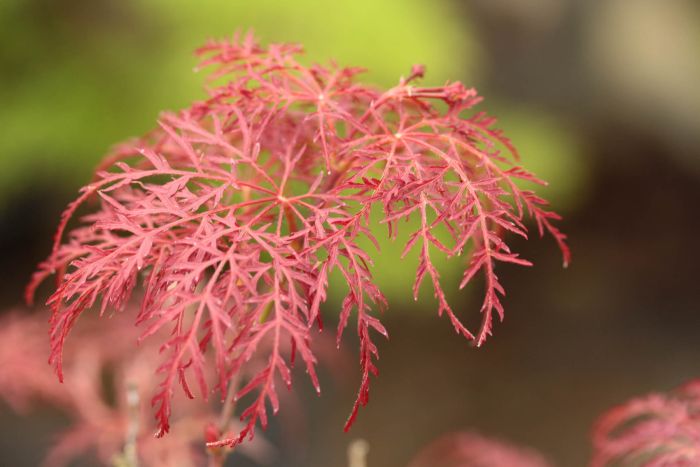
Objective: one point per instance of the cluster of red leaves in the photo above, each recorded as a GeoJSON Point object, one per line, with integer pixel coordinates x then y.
{"type": "Point", "coordinates": [233, 213]}
{"type": "Point", "coordinates": [655, 430]}
{"type": "Point", "coordinates": [108, 374]}
{"type": "Point", "coordinates": [473, 450]}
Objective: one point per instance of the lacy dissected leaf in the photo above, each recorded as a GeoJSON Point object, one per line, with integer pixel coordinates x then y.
{"type": "Point", "coordinates": [655, 430]}
{"type": "Point", "coordinates": [233, 213]}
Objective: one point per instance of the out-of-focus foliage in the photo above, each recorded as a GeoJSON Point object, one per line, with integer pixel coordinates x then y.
{"type": "Point", "coordinates": [654, 430]}
{"type": "Point", "coordinates": [107, 380]}
{"type": "Point", "coordinates": [474, 450]}
{"type": "Point", "coordinates": [79, 75]}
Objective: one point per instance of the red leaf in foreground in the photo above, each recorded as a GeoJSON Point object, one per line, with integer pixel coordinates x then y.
{"type": "Point", "coordinates": [233, 213]}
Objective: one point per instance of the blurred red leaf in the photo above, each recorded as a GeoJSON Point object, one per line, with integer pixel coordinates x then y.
{"type": "Point", "coordinates": [654, 430]}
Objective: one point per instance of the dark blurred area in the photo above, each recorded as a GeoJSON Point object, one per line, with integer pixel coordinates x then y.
{"type": "Point", "coordinates": [602, 100]}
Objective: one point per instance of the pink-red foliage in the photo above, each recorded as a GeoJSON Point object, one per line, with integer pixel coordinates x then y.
{"type": "Point", "coordinates": [651, 431]}
{"type": "Point", "coordinates": [23, 350]}
{"type": "Point", "coordinates": [106, 369]}
{"type": "Point", "coordinates": [474, 450]}
{"type": "Point", "coordinates": [233, 213]}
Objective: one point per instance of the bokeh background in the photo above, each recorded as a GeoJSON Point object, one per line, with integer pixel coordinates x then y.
{"type": "Point", "coordinates": [602, 98]}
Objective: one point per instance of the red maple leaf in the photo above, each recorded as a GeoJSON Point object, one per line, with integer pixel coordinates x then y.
{"type": "Point", "coordinates": [232, 214]}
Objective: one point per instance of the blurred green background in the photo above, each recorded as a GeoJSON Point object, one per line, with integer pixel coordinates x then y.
{"type": "Point", "coordinates": [601, 99]}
